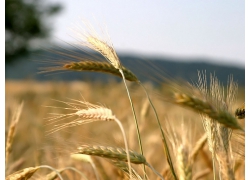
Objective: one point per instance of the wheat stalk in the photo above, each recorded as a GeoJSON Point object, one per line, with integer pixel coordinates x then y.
{"type": "Point", "coordinates": [107, 50]}
{"type": "Point", "coordinates": [164, 141]}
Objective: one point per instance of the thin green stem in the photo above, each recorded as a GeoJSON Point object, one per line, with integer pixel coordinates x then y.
{"type": "Point", "coordinates": [166, 149]}
{"type": "Point", "coordinates": [136, 121]}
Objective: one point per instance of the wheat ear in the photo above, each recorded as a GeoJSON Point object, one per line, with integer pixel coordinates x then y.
{"type": "Point", "coordinates": [11, 132]}
{"type": "Point", "coordinates": [91, 113]}
{"type": "Point", "coordinates": [105, 49]}
{"type": "Point", "coordinates": [100, 67]}
{"type": "Point", "coordinates": [198, 105]}
{"type": "Point", "coordinates": [111, 153]}
{"type": "Point", "coordinates": [28, 172]}
{"type": "Point", "coordinates": [117, 154]}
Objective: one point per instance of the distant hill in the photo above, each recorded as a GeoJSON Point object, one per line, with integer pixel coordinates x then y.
{"type": "Point", "coordinates": [150, 69]}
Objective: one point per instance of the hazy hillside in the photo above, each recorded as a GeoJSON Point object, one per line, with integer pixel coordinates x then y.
{"type": "Point", "coordinates": [146, 69]}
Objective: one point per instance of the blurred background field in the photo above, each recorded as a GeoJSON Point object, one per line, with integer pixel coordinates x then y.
{"type": "Point", "coordinates": [32, 147]}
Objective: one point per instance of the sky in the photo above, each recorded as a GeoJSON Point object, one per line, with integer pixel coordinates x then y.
{"type": "Point", "coordinates": [214, 30]}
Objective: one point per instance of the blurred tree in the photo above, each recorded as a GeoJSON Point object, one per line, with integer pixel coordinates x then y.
{"type": "Point", "coordinates": [24, 22]}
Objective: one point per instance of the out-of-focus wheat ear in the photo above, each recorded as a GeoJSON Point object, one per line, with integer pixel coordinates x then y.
{"type": "Point", "coordinates": [200, 106]}
{"type": "Point", "coordinates": [225, 166]}
{"type": "Point", "coordinates": [22, 174]}
{"type": "Point", "coordinates": [99, 67]}
{"type": "Point", "coordinates": [198, 146]}
{"type": "Point", "coordinates": [112, 153]}
{"type": "Point", "coordinates": [145, 109]}
{"type": "Point", "coordinates": [53, 175]}
{"type": "Point", "coordinates": [11, 132]}
{"type": "Point", "coordinates": [29, 172]}
{"type": "Point", "coordinates": [183, 168]}
{"type": "Point", "coordinates": [210, 128]}
{"type": "Point", "coordinates": [238, 145]}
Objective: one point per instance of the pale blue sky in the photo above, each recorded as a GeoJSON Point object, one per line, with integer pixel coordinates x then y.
{"type": "Point", "coordinates": [213, 29]}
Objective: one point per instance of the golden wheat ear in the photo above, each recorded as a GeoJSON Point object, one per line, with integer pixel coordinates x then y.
{"type": "Point", "coordinates": [100, 67]}
{"type": "Point", "coordinates": [26, 173]}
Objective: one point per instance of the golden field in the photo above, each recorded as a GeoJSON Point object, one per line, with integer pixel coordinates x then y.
{"type": "Point", "coordinates": [33, 145]}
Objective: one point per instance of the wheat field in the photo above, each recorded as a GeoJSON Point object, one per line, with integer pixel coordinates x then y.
{"type": "Point", "coordinates": [122, 130]}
